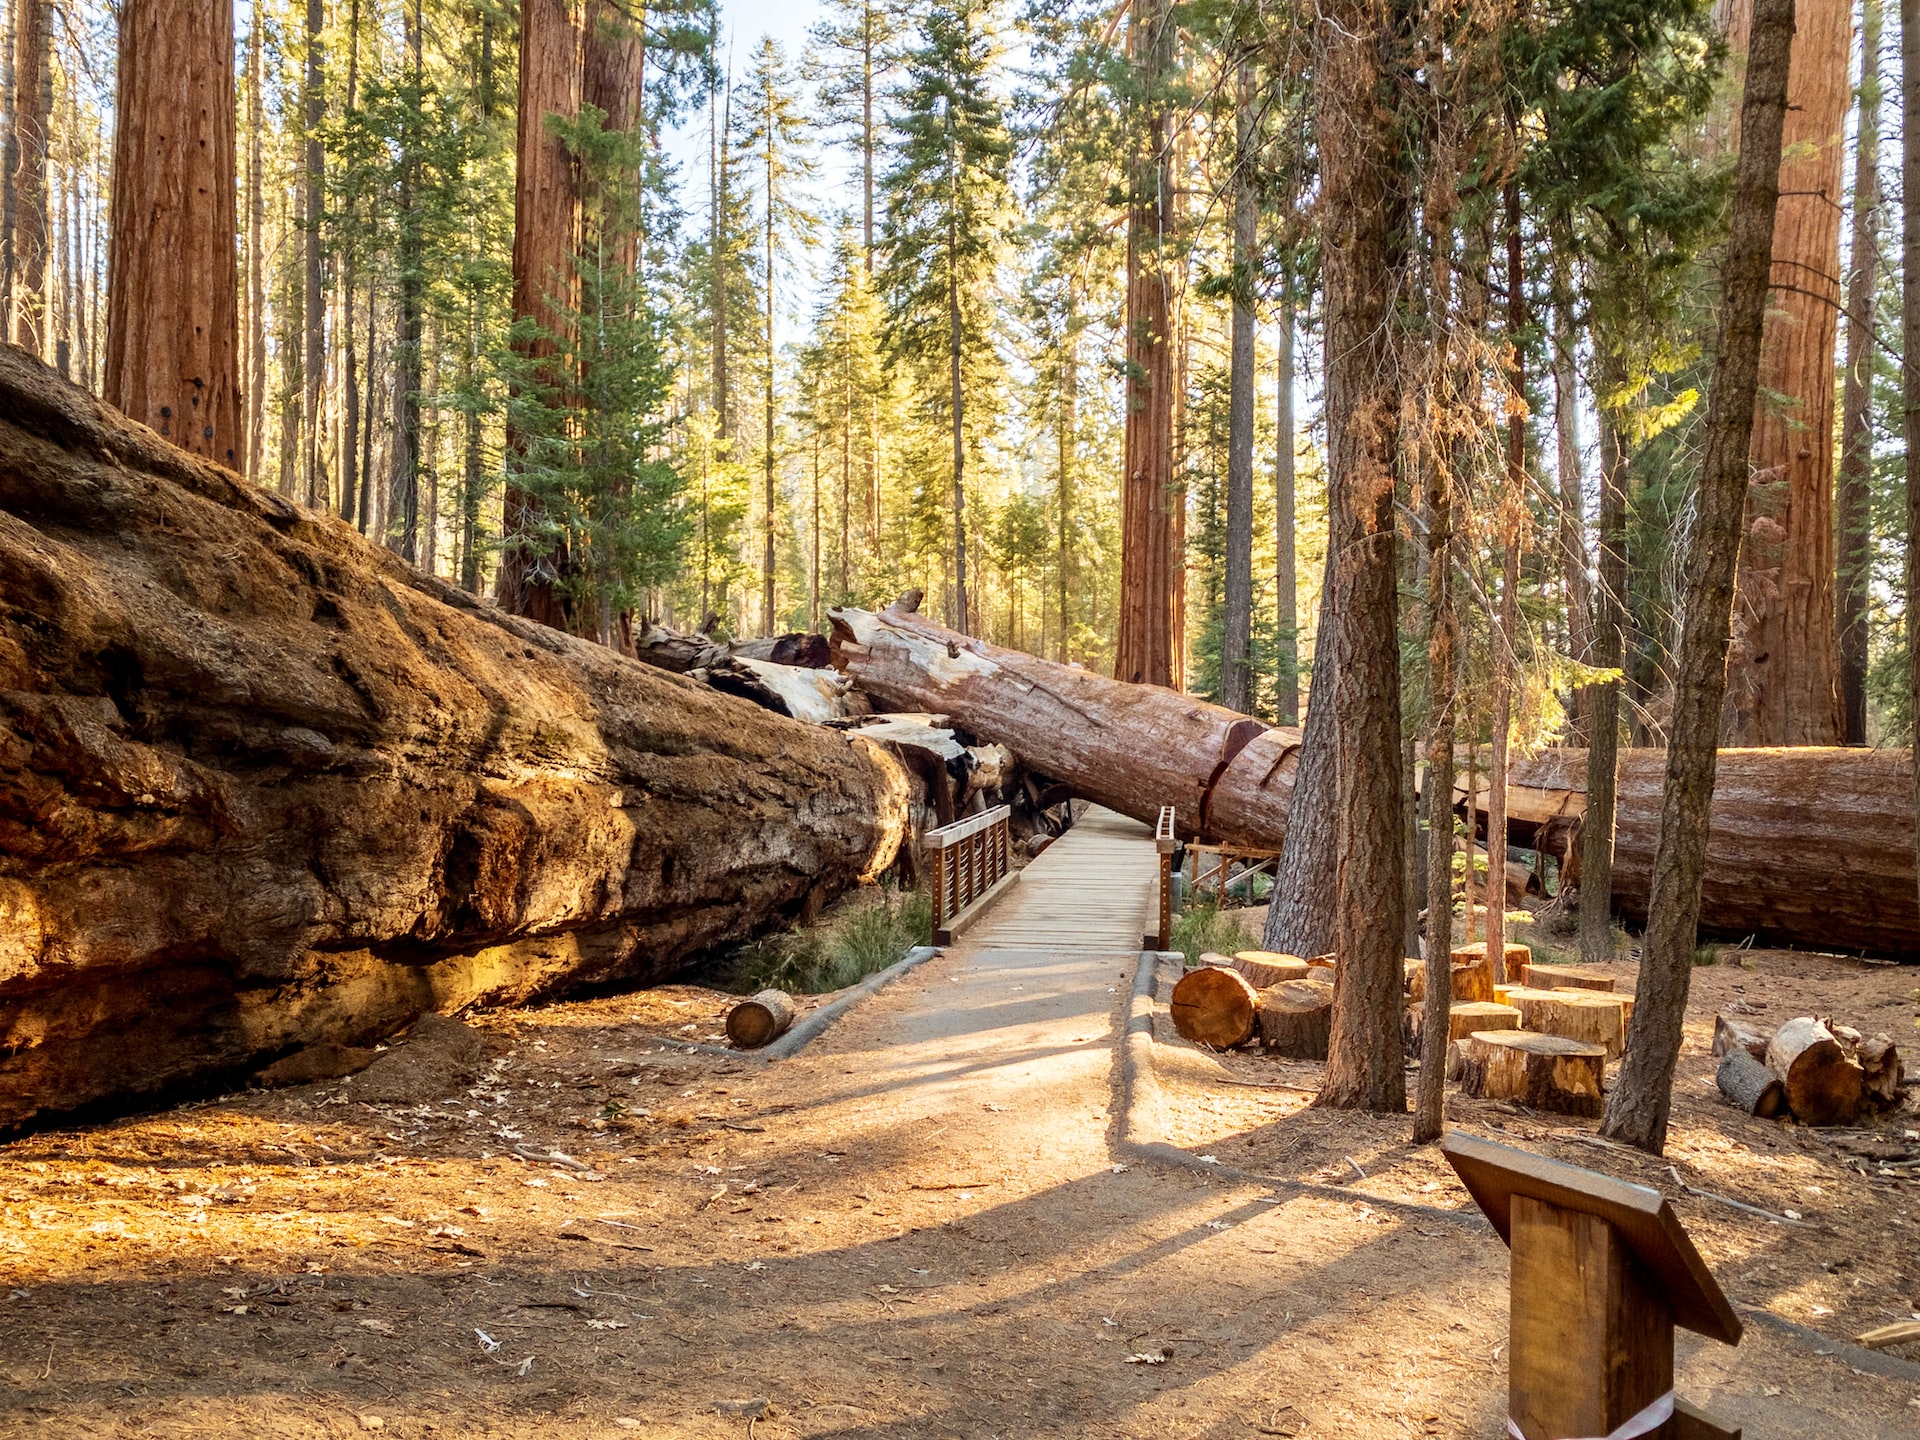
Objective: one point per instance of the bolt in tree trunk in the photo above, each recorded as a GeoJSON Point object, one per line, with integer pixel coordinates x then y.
{"type": "Point", "coordinates": [1603, 700]}
{"type": "Point", "coordinates": [1236, 668]}
{"type": "Point", "coordinates": [543, 234]}
{"type": "Point", "coordinates": [313, 482]}
{"type": "Point", "coordinates": [1362, 217]}
{"type": "Point", "coordinates": [1910, 337]}
{"type": "Point", "coordinates": [1287, 666]}
{"type": "Point", "coordinates": [1853, 519]}
{"type": "Point", "coordinates": [1783, 673]}
{"type": "Point", "coordinates": [173, 325]}
{"type": "Point", "coordinates": [1638, 1106]}
{"type": "Point", "coordinates": [1143, 650]}
{"type": "Point", "coordinates": [32, 102]}
{"type": "Point", "coordinates": [1512, 522]}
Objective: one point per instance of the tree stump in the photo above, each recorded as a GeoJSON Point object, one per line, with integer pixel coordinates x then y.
{"type": "Point", "coordinates": [1750, 1085]}
{"type": "Point", "coordinates": [1463, 1019]}
{"type": "Point", "coordinates": [1214, 1006]}
{"type": "Point", "coordinates": [1585, 1015]}
{"type": "Point", "coordinates": [1471, 984]}
{"type": "Point", "coordinates": [1296, 1019]}
{"type": "Point", "coordinates": [1518, 957]}
{"type": "Point", "coordinates": [1565, 977]}
{"type": "Point", "coordinates": [761, 1019]}
{"type": "Point", "coordinates": [1823, 1085]}
{"type": "Point", "coordinates": [1542, 1072]}
{"type": "Point", "coordinates": [1883, 1073]}
{"type": "Point", "coordinates": [1265, 968]}
{"type": "Point", "coordinates": [1732, 1034]}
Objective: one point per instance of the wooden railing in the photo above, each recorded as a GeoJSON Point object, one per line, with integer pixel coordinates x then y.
{"type": "Point", "coordinates": [972, 859]}
{"type": "Point", "coordinates": [1165, 841]}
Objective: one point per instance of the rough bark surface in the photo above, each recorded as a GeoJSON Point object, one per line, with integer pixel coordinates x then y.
{"type": "Point", "coordinates": [1609, 648]}
{"type": "Point", "coordinates": [262, 785]}
{"type": "Point", "coordinates": [1639, 1104]}
{"type": "Point", "coordinates": [27, 278]}
{"type": "Point", "coordinates": [1132, 748]}
{"type": "Point", "coordinates": [1783, 666]}
{"type": "Point", "coordinates": [1809, 847]}
{"type": "Point", "coordinates": [1236, 636]}
{"type": "Point", "coordinates": [1853, 505]}
{"type": "Point", "coordinates": [173, 280]}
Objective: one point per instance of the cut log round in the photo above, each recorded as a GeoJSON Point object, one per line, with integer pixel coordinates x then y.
{"type": "Point", "coordinates": [761, 1019]}
{"type": "Point", "coordinates": [1518, 957]}
{"type": "Point", "coordinates": [1542, 1072]}
{"type": "Point", "coordinates": [1882, 1073]}
{"type": "Point", "coordinates": [1823, 1083]}
{"type": "Point", "coordinates": [1732, 1034]}
{"type": "Point", "coordinates": [1584, 1015]}
{"type": "Point", "coordinates": [1462, 1020]}
{"type": "Point", "coordinates": [1268, 967]}
{"type": "Point", "coordinates": [1296, 1018]}
{"type": "Point", "coordinates": [1565, 977]}
{"type": "Point", "coordinates": [1470, 983]}
{"type": "Point", "coordinates": [265, 786]}
{"type": "Point", "coordinates": [1214, 1006]}
{"type": "Point", "coordinates": [1750, 1085]}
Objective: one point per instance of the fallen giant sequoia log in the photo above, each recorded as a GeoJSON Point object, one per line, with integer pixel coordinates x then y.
{"type": "Point", "coordinates": [1807, 846]}
{"type": "Point", "coordinates": [263, 785]}
{"type": "Point", "coordinates": [1132, 748]}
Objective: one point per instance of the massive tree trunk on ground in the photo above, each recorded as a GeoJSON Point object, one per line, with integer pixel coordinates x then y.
{"type": "Point", "coordinates": [1149, 625]}
{"type": "Point", "coordinates": [1132, 748]}
{"type": "Point", "coordinates": [1639, 1104]}
{"type": "Point", "coordinates": [544, 220]}
{"type": "Point", "coordinates": [173, 287]}
{"type": "Point", "coordinates": [1783, 672]}
{"type": "Point", "coordinates": [1363, 211]}
{"type": "Point", "coordinates": [1853, 510]}
{"type": "Point", "coordinates": [262, 784]}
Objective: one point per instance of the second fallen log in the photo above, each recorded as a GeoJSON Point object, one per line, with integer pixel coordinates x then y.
{"type": "Point", "coordinates": [761, 1019]}
{"type": "Point", "coordinates": [1750, 1085]}
{"type": "Point", "coordinates": [1823, 1084]}
{"type": "Point", "coordinates": [1214, 1006]}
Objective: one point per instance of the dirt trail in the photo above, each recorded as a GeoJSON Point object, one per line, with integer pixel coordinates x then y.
{"type": "Point", "coordinates": [915, 1228]}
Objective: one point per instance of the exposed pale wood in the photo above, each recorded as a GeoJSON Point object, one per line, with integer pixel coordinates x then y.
{"type": "Point", "coordinates": [1463, 1019]}
{"type": "Point", "coordinates": [1542, 1072]}
{"type": "Point", "coordinates": [1590, 1332]}
{"type": "Point", "coordinates": [1517, 957]}
{"type": "Point", "coordinates": [1565, 977]}
{"type": "Point", "coordinates": [1296, 1018]}
{"type": "Point", "coordinates": [1823, 1083]}
{"type": "Point", "coordinates": [761, 1019]}
{"type": "Point", "coordinates": [1692, 1423]}
{"type": "Point", "coordinates": [1269, 967]}
{"type": "Point", "coordinates": [1882, 1071]}
{"type": "Point", "coordinates": [1583, 1015]}
{"type": "Point", "coordinates": [1901, 1332]}
{"type": "Point", "coordinates": [1732, 1034]}
{"type": "Point", "coordinates": [1750, 1085]}
{"type": "Point", "coordinates": [1214, 1006]}
{"type": "Point", "coordinates": [1470, 982]}
{"type": "Point", "coordinates": [1090, 894]}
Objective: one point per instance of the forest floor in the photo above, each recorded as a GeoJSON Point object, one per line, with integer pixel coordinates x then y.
{"type": "Point", "coordinates": [918, 1226]}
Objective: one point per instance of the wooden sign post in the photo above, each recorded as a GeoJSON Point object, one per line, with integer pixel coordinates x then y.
{"type": "Point", "coordinates": [1602, 1273]}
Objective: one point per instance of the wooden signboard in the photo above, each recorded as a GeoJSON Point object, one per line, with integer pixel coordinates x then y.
{"type": "Point", "coordinates": [1602, 1273]}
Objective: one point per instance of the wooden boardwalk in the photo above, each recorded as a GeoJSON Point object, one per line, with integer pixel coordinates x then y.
{"type": "Point", "coordinates": [1090, 893]}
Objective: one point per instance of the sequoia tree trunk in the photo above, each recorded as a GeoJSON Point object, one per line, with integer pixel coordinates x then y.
{"type": "Point", "coordinates": [1783, 673]}
{"type": "Point", "coordinates": [173, 287]}
{"type": "Point", "coordinates": [1638, 1107]}
{"type": "Point", "coordinates": [264, 785]}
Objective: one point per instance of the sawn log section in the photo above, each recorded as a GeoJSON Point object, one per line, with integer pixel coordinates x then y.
{"type": "Point", "coordinates": [1811, 846]}
{"type": "Point", "coordinates": [1132, 748]}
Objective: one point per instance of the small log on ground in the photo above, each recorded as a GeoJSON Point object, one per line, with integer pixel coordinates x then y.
{"type": "Point", "coordinates": [1732, 1034]}
{"type": "Point", "coordinates": [1265, 968]}
{"type": "Point", "coordinates": [1565, 977]}
{"type": "Point", "coordinates": [1823, 1083]}
{"type": "Point", "coordinates": [1518, 957]}
{"type": "Point", "coordinates": [1214, 1006]}
{"type": "Point", "coordinates": [1296, 1019]}
{"type": "Point", "coordinates": [1463, 1019]}
{"type": "Point", "coordinates": [1750, 1085]}
{"type": "Point", "coordinates": [761, 1019]}
{"type": "Point", "coordinates": [1585, 1015]}
{"type": "Point", "coordinates": [1882, 1073]}
{"type": "Point", "coordinates": [1542, 1072]}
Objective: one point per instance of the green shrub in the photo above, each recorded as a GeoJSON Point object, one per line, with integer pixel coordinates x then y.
{"type": "Point", "coordinates": [841, 950]}
{"type": "Point", "coordinates": [1203, 927]}
{"type": "Point", "coordinates": [1706, 955]}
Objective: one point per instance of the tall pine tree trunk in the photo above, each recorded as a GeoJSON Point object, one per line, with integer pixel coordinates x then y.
{"type": "Point", "coordinates": [1285, 584]}
{"type": "Point", "coordinates": [313, 482]}
{"type": "Point", "coordinates": [1603, 700]}
{"type": "Point", "coordinates": [1575, 591]}
{"type": "Point", "coordinates": [958, 401]}
{"type": "Point", "coordinates": [768, 621]}
{"type": "Point", "coordinates": [32, 104]}
{"type": "Point", "coordinates": [353, 497]}
{"type": "Point", "coordinates": [1145, 640]}
{"type": "Point", "coordinates": [1853, 517]}
{"type": "Point", "coordinates": [1783, 677]}
{"type": "Point", "coordinates": [1910, 340]}
{"type": "Point", "coordinates": [1068, 444]}
{"type": "Point", "coordinates": [173, 324]}
{"type": "Point", "coordinates": [1236, 667]}
{"type": "Point", "coordinates": [1512, 525]}
{"type": "Point", "coordinates": [543, 239]}
{"type": "Point", "coordinates": [405, 483]}
{"type": "Point", "coordinates": [1638, 1106]}
{"type": "Point", "coordinates": [1363, 214]}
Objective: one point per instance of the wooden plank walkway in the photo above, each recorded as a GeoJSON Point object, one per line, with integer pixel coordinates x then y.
{"type": "Point", "coordinates": [1091, 892]}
